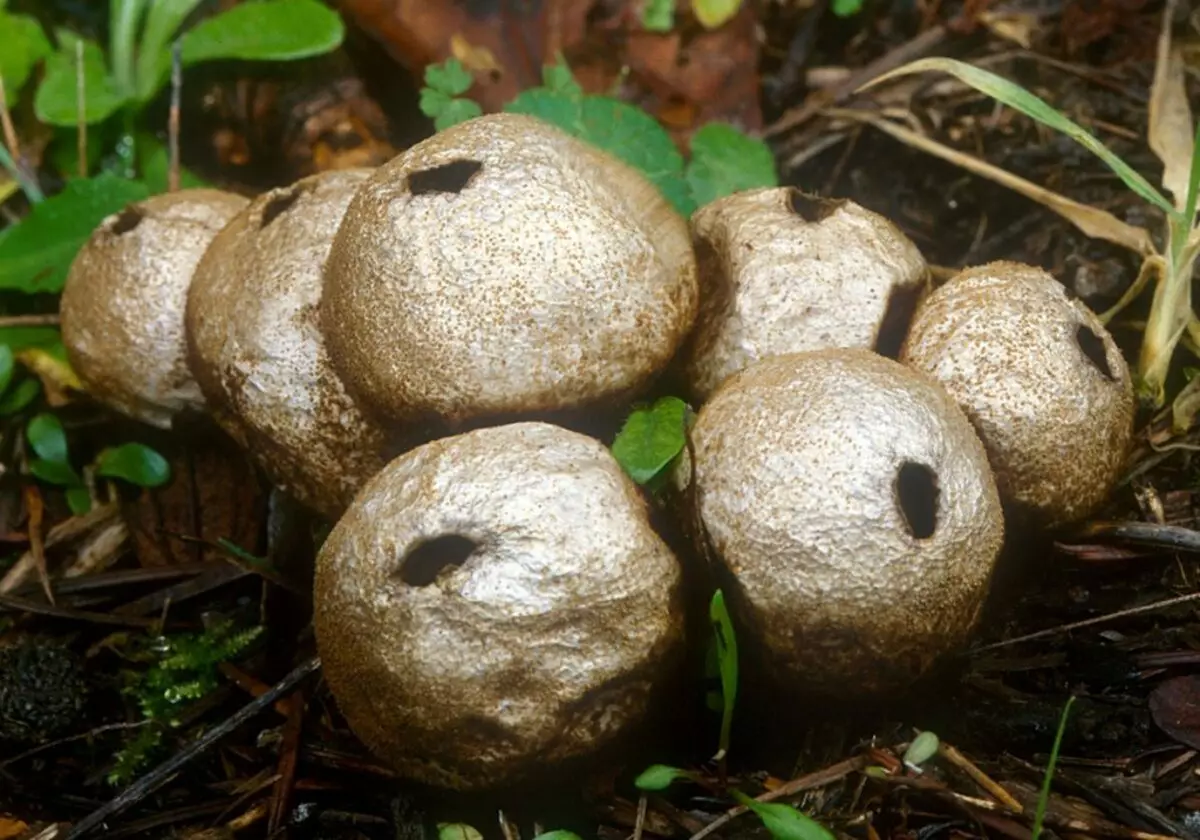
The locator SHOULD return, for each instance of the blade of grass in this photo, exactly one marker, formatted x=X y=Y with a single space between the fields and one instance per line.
x=28 y=186
x=1019 y=99
x=1039 y=815
x=1096 y=223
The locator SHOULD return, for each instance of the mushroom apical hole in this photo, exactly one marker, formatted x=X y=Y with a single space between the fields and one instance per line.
x=426 y=561
x=127 y=220
x=811 y=208
x=917 y=496
x=1093 y=348
x=450 y=177
x=277 y=206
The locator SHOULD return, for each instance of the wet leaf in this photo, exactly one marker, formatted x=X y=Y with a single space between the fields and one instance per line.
x=37 y=253
x=727 y=663
x=1019 y=99
x=54 y=472
x=1175 y=707
x=57 y=99
x=25 y=44
x=714 y=13
x=658 y=15
x=1170 y=128
x=659 y=777
x=268 y=30
x=47 y=438
x=651 y=438
x=783 y=821
x=725 y=161
x=457 y=831
x=922 y=748
x=134 y=462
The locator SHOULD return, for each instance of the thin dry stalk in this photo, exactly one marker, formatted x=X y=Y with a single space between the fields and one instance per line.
x=49 y=320
x=173 y=118
x=10 y=133
x=982 y=779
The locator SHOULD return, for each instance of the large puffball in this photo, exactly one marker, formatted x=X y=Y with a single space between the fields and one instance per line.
x=1042 y=380
x=257 y=351
x=494 y=604
x=502 y=268
x=852 y=510
x=123 y=303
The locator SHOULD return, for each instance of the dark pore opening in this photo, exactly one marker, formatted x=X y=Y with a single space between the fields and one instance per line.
x=277 y=205
x=811 y=208
x=450 y=177
x=1092 y=346
x=917 y=498
x=127 y=220
x=893 y=329
x=428 y=559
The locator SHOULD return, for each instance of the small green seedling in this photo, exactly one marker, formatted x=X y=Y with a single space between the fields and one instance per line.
x=660 y=777
x=651 y=439
x=558 y=834
x=923 y=747
x=725 y=645
x=1039 y=815
x=457 y=831
x=442 y=97
x=783 y=821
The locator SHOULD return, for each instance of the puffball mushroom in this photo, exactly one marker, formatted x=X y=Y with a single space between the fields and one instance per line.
x=1041 y=379
x=851 y=505
x=495 y=603
x=503 y=268
x=257 y=351
x=123 y=302
x=783 y=272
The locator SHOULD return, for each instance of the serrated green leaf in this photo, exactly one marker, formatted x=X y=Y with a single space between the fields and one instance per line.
x=457 y=831
x=449 y=77
x=727 y=664
x=922 y=748
x=57 y=98
x=651 y=438
x=658 y=15
x=79 y=500
x=47 y=438
x=1019 y=99
x=445 y=111
x=725 y=161
x=714 y=13
x=783 y=821
x=846 y=8
x=54 y=472
x=267 y=30
x=134 y=462
x=25 y=44
x=623 y=130
x=659 y=777
x=20 y=397
x=37 y=253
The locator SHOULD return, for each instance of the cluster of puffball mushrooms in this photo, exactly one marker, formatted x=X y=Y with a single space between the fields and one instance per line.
x=493 y=600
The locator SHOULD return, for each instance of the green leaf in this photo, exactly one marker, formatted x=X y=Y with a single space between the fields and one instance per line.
x=17 y=339
x=156 y=165
x=783 y=821
x=133 y=462
x=446 y=111
x=714 y=13
x=163 y=19
x=1039 y=814
x=558 y=77
x=846 y=8
x=659 y=777
x=724 y=161
x=6 y=366
x=57 y=99
x=623 y=130
x=55 y=472
x=558 y=834
x=79 y=500
x=457 y=831
x=727 y=662
x=1019 y=99
x=651 y=438
x=25 y=44
x=37 y=253
x=20 y=397
x=47 y=438
x=266 y=30
x=449 y=77
x=658 y=15
x=922 y=748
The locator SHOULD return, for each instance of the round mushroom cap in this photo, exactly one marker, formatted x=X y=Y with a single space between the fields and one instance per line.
x=495 y=603
x=784 y=272
x=1041 y=379
x=123 y=303
x=257 y=351
x=502 y=268
x=852 y=506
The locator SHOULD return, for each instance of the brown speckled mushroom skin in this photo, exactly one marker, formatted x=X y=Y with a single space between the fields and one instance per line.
x=851 y=503
x=257 y=351
x=546 y=644
x=503 y=268
x=123 y=303
x=784 y=272
x=1041 y=379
